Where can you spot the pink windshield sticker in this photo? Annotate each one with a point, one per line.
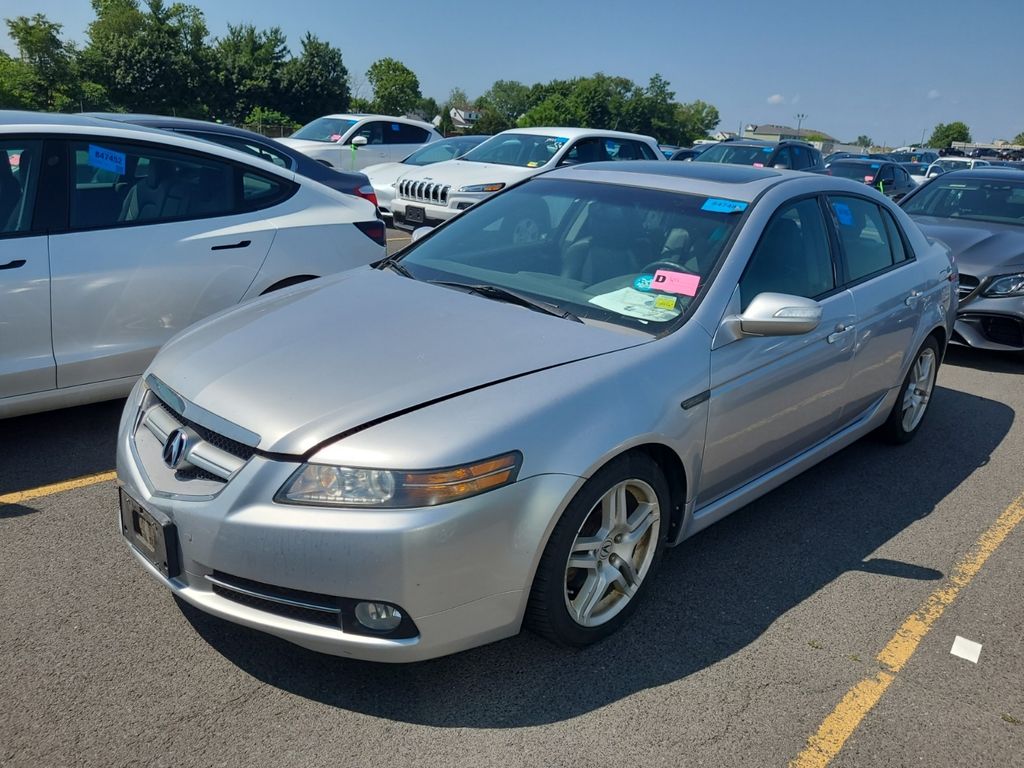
(668, 281)
(334, 137)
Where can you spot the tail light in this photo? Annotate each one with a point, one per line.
(366, 192)
(374, 230)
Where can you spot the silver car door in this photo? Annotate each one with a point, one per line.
(401, 140)
(886, 287)
(158, 239)
(26, 355)
(775, 397)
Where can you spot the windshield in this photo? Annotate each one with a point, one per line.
(629, 256)
(521, 149)
(439, 151)
(915, 157)
(735, 154)
(978, 199)
(949, 164)
(915, 169)
(324, 129)
(856, 171)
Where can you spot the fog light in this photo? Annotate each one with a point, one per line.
(380, 617)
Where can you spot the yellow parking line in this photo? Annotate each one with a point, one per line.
(46, 490)
(859, 700)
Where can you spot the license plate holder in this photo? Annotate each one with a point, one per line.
(151, 534)
(414, 214)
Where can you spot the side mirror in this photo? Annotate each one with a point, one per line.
(359, 141)
(420, 232)
(774, 314)
(934, 172)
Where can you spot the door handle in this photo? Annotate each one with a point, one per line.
(911, 300)
(239, 244)
(841, 330)
(13, 264)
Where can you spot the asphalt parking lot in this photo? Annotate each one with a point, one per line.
(814, 626)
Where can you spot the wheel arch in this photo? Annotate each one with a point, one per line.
(287, 282)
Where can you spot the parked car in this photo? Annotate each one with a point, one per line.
(890, 179)
(115, 237)
(924, 156)
(918, 171)
(985, 152)
(831, 158)
(668, 150)
(432, 195)
(793, 155)
(979, 214)
(686, 153)
(952, 163)
(384, 176)
(251, 143)
(526, 428)
(351, 142)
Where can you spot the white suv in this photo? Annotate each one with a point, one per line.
(352, 142)
(433, 194)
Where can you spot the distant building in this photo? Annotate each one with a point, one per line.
(769, 132)
(723, 135)
(463, 118)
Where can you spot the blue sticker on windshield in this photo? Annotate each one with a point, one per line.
(875, 165)
(843, 214)
(717, 205)
(396, 127)
(106, 159)
(643, 283)
(766, 149)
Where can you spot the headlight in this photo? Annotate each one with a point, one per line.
(482, 188)
(1008, 285)
(326, 485)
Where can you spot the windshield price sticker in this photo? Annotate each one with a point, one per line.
(107, 159)
(718, 205)
(643, 306)
(843, 214)
(670, 281)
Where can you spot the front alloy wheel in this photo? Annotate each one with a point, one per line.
(601, 554)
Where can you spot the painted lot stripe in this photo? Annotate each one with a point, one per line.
(48, 490)
(861, 699)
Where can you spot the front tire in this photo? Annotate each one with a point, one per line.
(908, 411)
(599, 559)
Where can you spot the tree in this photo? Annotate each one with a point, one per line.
(502, 105)
(864, 141)
(944, 135)
(316, 82)
(694, 120)
(151, 60)
(1018, 139)
(248, 67)
(396, 89)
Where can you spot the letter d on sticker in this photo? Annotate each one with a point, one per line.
(659, 278)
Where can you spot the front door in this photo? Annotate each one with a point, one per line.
(158, 239)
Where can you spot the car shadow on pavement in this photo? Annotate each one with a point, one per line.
(985, 360)
(84, 438)
(714, 595)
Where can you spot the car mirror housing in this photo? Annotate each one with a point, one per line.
(773, 314)
(420, 232)
(359, 141)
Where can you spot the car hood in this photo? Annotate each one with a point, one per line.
(303, 144)
(981, 248)
(308, 364)
(460, 173)
(382, 174)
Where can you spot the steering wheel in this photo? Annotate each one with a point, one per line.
(654, 266)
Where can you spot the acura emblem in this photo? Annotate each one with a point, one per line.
(175, 447)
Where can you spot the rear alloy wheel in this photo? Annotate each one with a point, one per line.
(601, 554)
(915, 395)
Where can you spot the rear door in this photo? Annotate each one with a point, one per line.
(401, 140)
(885, 280)
(156, 238)
(26, 355)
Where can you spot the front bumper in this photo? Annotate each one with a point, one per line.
(995, 324)
(434, 214)
(462, 571)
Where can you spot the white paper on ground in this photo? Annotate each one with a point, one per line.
(966, 649)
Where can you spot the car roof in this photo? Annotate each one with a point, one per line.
(357, 116)
(575, 133)
(987, 172)
(168, 121)
(876, 161)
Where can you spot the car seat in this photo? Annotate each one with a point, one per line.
(609, 249)
(157, 195)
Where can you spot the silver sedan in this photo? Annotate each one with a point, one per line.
(411, 459)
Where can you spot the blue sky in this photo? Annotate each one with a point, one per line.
(861, 67)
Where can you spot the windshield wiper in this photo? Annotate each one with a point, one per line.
(511, 297)
(392, 262)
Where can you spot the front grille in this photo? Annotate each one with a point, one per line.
(311, 607)
(236, 449)
(1003, 330)
(968, 285)
(424, 191)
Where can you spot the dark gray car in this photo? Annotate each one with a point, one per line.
(784, 155)
(889, 178)
(251, 143)
(979, 214)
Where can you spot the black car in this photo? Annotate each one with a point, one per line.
(787, 154)
(254, 144)
(685, 153)
(889, 178)
(984, 152)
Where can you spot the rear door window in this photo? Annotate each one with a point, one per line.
(403, 133)
(19, 178)
(783, 158)
(866, 239)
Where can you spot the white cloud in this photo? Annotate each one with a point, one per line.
(933, 94)
(776, 98)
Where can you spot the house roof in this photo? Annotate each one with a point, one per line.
(770, 129)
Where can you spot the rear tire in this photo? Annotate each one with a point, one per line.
(911, 405)
(601, 554)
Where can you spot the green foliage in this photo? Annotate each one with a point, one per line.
(247, 67)
(504, 103)
(1018, 139)
(693, 120)
(945, 134)
(315, 83)
(396, 89)
(261, 116)
(815, 137)
(864, 141)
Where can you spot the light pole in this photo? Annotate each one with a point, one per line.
(800, 117)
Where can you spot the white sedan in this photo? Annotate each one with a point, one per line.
(113, 238)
